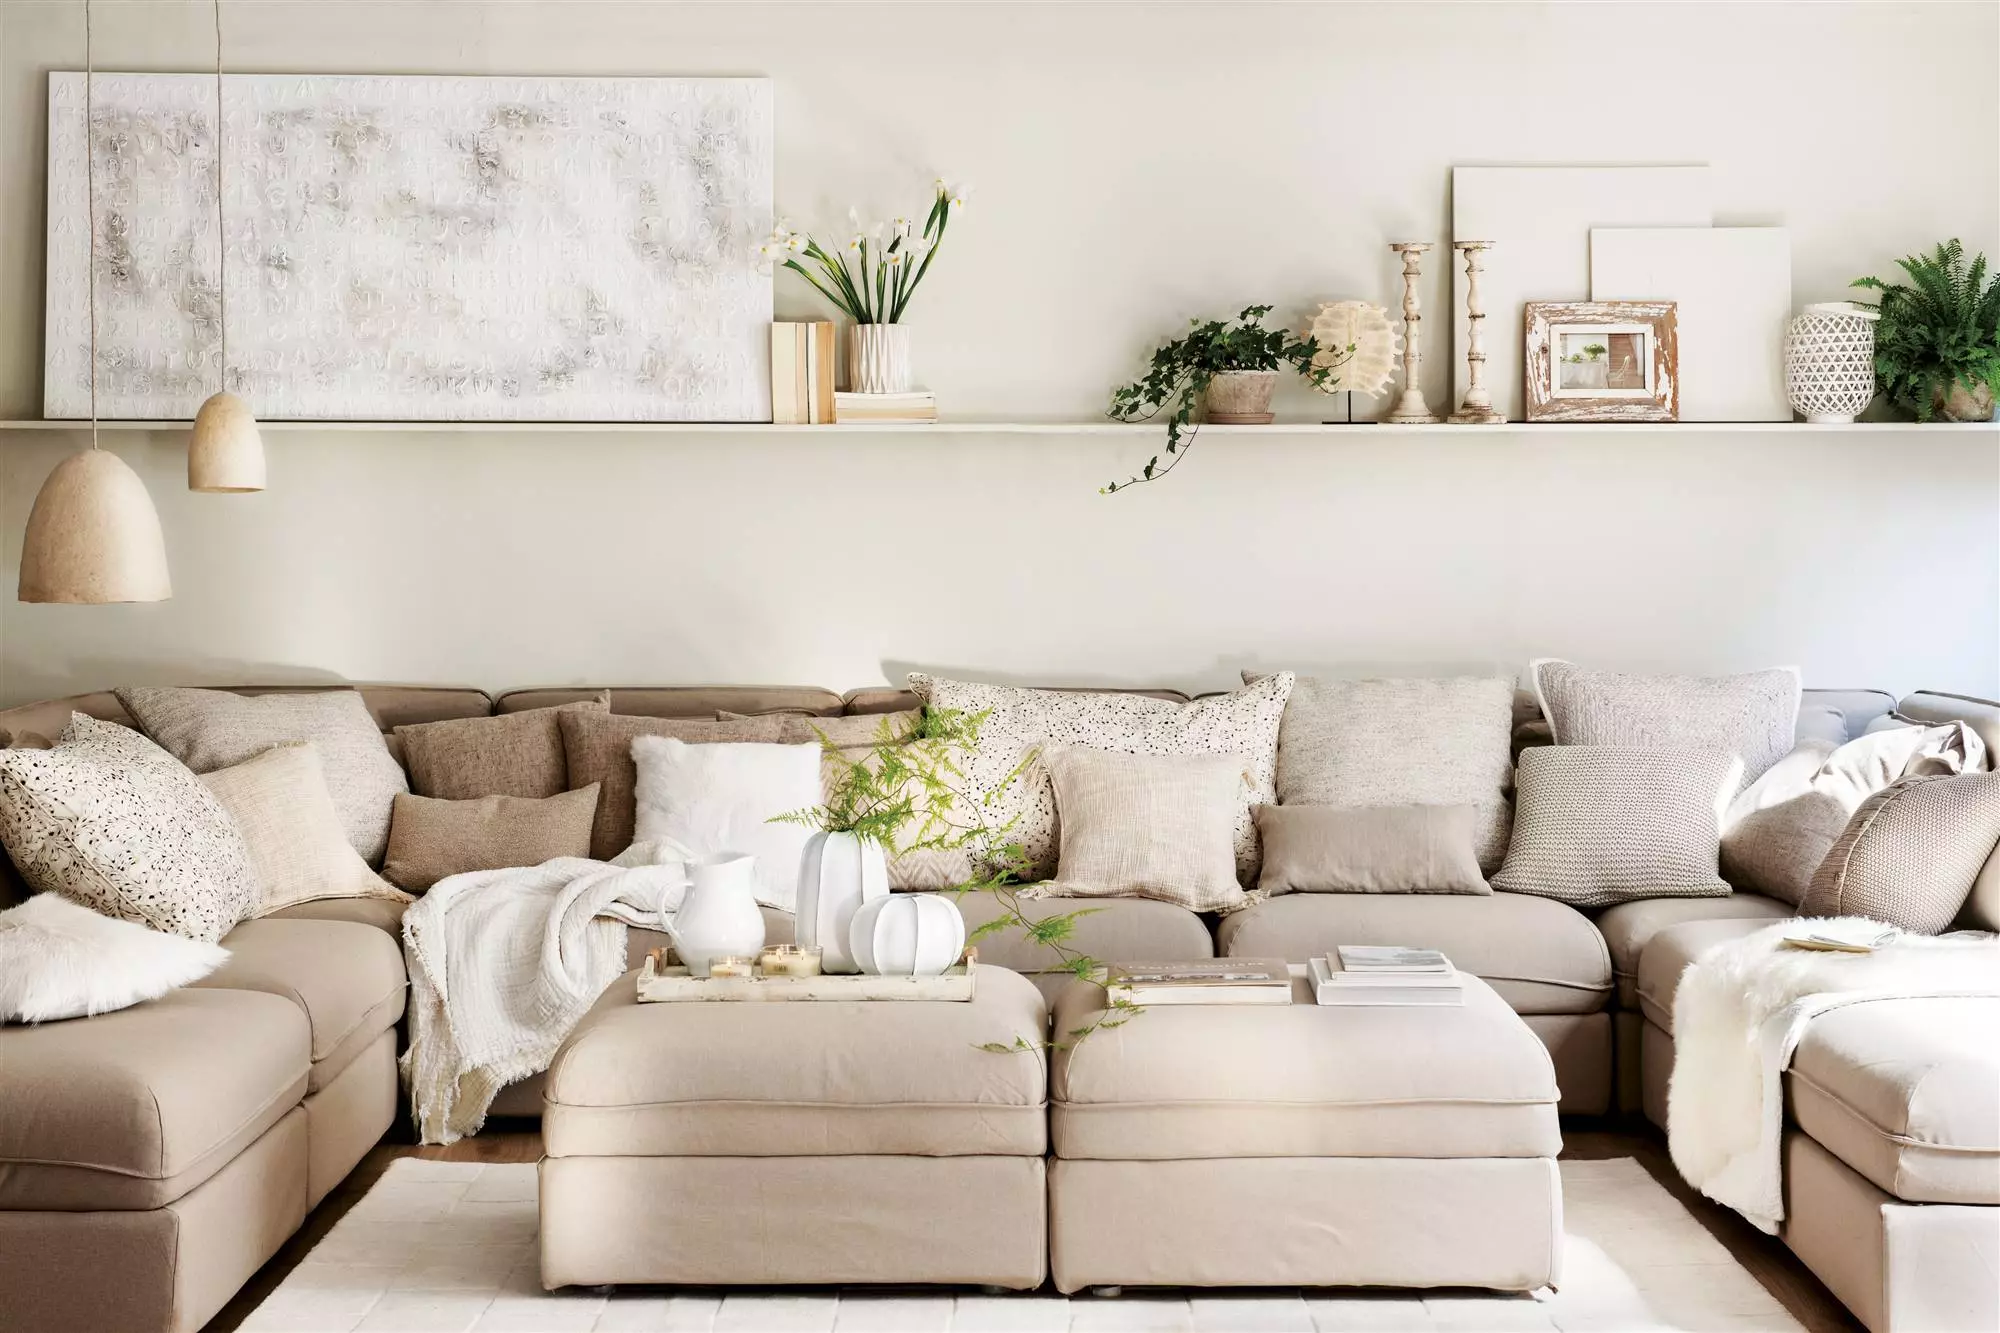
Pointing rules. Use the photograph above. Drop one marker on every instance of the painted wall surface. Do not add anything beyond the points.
(1134, 165)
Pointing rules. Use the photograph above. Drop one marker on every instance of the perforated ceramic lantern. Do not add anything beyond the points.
(907, 935)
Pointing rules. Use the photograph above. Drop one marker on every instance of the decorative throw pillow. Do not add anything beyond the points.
(1378, 849)
(111, 820)
(1355, 743)
(1752, 716)
(597, 747)
(58, 960)
(279, 803)
(1911, 853)
(1148, 826)
(431, 839)
(513, 754)
(1602, 824)
(1020, 721)
(211, 729)
(721, 798)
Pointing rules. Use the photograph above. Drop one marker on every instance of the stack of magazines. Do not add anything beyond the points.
(1213, 981)
(1367, 974)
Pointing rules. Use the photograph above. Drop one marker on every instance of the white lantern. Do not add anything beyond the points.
(907, 935)
(837, 874)
(1830, 362)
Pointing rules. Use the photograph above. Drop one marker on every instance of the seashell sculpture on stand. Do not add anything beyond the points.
(1365, 328)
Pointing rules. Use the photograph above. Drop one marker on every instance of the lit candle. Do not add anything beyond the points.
(731, 966)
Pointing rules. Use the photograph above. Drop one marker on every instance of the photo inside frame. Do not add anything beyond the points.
(1603, 361)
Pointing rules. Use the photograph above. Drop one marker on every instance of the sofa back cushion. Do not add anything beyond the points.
(687, 701)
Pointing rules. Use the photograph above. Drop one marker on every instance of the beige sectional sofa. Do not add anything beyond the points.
(178, 1143)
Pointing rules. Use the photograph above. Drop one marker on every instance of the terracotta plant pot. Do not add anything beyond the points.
(1241, 397)
(1961, 404)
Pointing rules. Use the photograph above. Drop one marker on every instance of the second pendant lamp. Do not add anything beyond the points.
(225, 449)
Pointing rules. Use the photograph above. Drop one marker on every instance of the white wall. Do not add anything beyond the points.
(1135, 164)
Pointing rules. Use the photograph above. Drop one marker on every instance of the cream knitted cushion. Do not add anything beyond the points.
(1911, 852)
(1752, 716)
(1149, 826)
(1598, 824)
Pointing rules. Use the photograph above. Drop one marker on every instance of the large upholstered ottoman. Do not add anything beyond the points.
(801, 1143)
(1250, 1145)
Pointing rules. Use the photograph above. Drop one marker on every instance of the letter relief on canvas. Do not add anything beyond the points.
(416, 248)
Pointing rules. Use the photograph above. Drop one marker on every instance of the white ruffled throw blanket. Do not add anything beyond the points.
(503, 964)
(1741, 1011)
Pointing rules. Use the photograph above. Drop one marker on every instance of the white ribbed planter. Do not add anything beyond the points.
(837, 873)
(878, 358)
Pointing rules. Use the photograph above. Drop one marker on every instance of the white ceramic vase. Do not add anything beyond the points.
(718, 916)
(1829, 364)
(837, 874)
(878, 358)
(907, 935)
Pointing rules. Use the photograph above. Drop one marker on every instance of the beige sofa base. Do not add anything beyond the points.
(165, 1268)
(791, 1221)
(349, 1116)
(1900, 1267)
(1306, 1221)
(1580, 1046)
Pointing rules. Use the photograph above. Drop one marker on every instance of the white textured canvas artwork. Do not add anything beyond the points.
(415, 248)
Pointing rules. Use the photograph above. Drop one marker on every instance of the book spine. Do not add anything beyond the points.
(786, 406)
(822, 389)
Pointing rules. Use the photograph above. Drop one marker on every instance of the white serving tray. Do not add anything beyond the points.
(674, 984)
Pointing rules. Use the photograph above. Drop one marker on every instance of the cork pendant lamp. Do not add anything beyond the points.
(225, 450)
(93, 535)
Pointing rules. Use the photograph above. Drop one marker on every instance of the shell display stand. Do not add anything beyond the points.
(660, 983)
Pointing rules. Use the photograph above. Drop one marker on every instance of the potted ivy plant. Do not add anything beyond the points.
(1230, 365)
(1937, 344)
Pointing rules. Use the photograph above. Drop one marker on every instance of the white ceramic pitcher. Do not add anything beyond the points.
(718, 916)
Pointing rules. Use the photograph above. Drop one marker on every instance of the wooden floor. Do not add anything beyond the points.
(1764, 1257)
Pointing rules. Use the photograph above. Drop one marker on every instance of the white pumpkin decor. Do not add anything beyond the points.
(907, 935)
(1375, 341)
(837, 874)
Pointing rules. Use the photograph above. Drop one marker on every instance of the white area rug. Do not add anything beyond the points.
(447, 1247)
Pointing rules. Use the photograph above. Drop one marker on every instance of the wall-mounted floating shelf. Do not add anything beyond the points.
(1369, 429)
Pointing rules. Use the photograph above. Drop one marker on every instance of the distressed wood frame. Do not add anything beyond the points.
(1544, 321)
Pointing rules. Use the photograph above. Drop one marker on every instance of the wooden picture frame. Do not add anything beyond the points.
(1602, 361)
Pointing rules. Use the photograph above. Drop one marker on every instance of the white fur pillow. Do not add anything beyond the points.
(58, 960)
(720, 797)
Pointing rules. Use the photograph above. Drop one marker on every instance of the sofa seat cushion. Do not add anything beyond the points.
(1207, 1081)
(380, 913)
(1112, 930)
(1542, 956)
(1629, 926)
(347, 978)
(1669, 952)
(134, 1109)
(840, 1078)
(1907, 1092)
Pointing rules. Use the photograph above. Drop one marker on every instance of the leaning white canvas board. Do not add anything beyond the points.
(415, 247)
(1539, 220)
(1732, 288)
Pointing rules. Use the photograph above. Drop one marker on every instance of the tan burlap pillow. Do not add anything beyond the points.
(431, 839)
(1380, 849)
(514, 754)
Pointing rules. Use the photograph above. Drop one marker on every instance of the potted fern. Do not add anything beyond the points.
(1937, 344)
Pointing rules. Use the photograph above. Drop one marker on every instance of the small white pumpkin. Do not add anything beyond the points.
(907, 935)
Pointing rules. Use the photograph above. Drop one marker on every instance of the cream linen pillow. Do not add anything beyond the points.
(1149, 826)
(112, 821)
(1374, 849)
(721, 798)
(58, 960)
(431, 839)
(1020, 721)
(279, 803)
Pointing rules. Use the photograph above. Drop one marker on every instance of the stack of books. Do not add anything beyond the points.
(885, 409)
(1215, 981)
(1855, 936)
(802, 366)
(1364, 974)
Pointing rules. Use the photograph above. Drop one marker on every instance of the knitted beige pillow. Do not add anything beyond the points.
(1149, 826)
(298, 849)
(1911, 853)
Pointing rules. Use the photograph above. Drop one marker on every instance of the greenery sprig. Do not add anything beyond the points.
(1941, 328)
(872, 278)
(1181, 370)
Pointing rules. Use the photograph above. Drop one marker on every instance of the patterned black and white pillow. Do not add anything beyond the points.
(110, 820)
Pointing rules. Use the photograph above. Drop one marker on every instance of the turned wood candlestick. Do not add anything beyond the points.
(1477, 407)
(1411, 409)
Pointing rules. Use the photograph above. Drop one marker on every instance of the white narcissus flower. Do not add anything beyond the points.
(900, 228)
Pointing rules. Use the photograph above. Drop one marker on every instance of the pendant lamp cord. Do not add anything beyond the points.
(221, 239)
(90, 211)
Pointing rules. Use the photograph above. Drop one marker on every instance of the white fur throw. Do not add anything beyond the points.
(1740, 1012)
(59, 960)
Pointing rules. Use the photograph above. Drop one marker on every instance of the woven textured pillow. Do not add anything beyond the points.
(211, 729)
(513, 754)
(597, 747)
(1148, 826)
(1021, 721)
(110, 820)
(1752, 716)
(432, 839)
(279, 803)
(1596, 825)
(1911, 853)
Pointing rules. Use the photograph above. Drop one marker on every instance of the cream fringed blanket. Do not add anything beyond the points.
(503, 963)
(1740, 1012)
